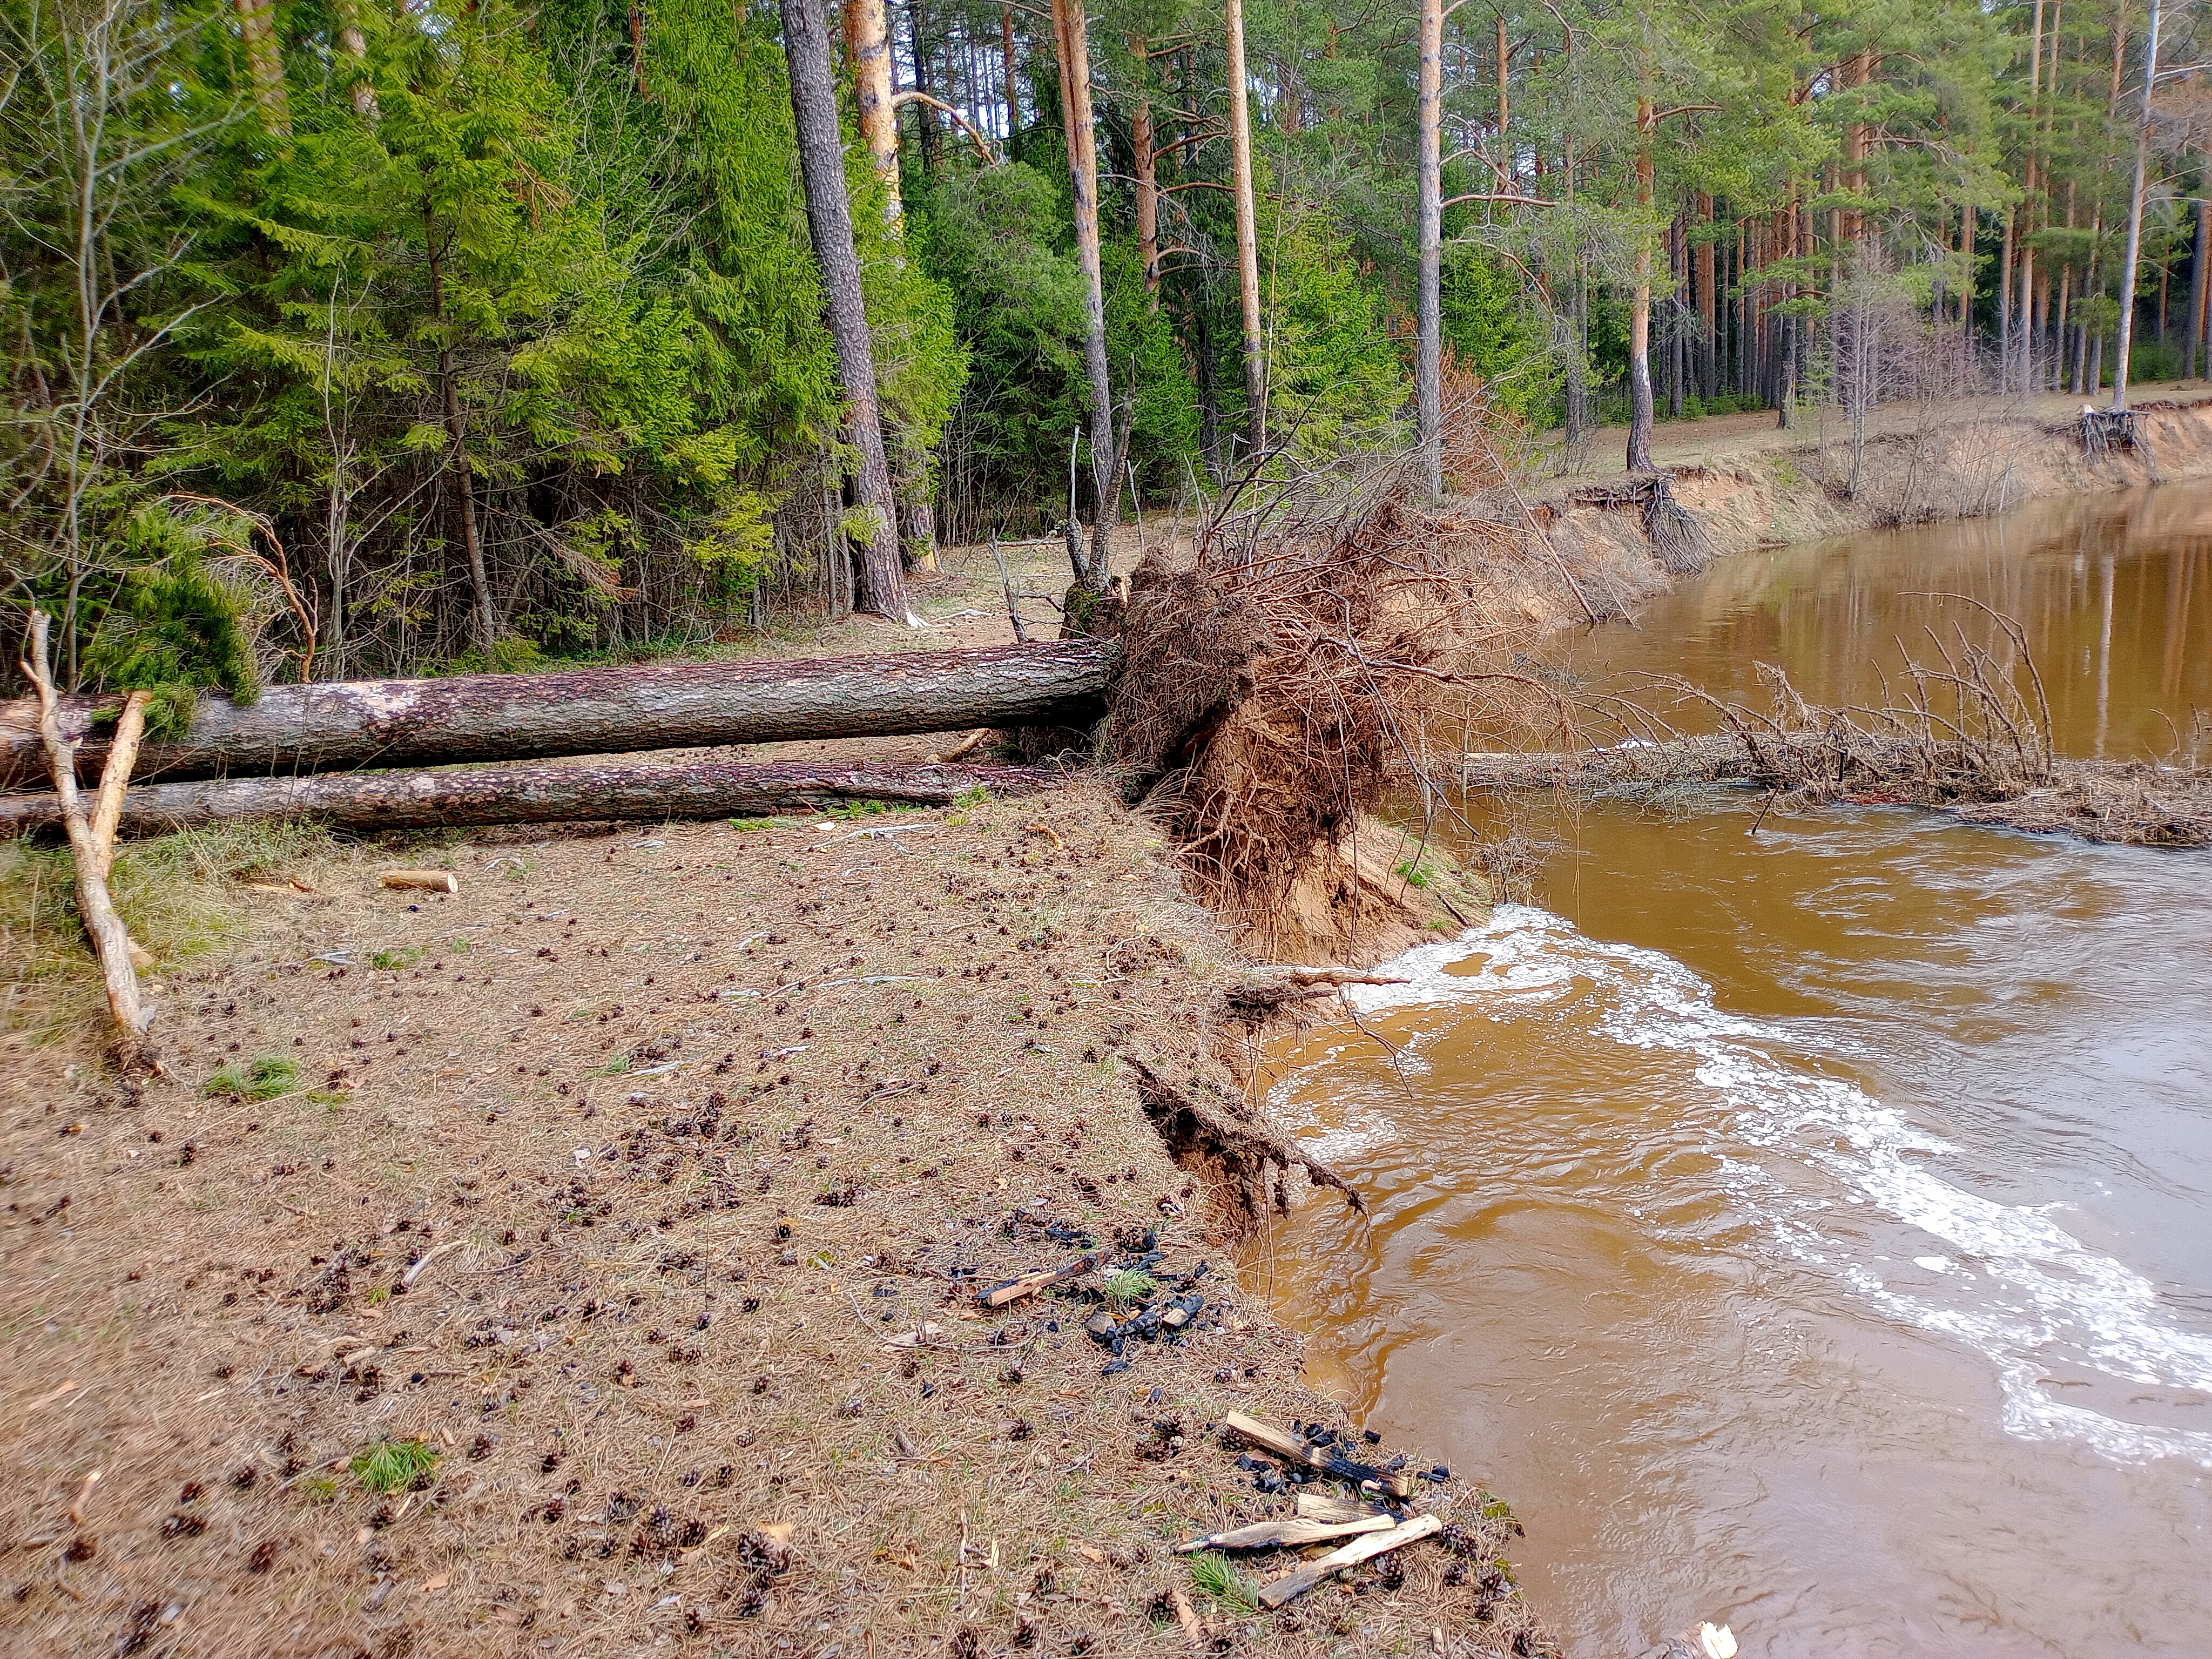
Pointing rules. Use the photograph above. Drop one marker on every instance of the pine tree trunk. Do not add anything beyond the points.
(1247, 229)
(2193, 337)
(882, 588)
(1639, 304)
(2134, 246)
(1428, 368)
(650, 791)
(868, 50)
(459, 474)
(355, 45)
(1073, 30)
(1147, 176)
(339, 725)
(1008, 65)
(265, 62)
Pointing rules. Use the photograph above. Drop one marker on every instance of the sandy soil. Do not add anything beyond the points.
(1720, 439)
(623, 1214)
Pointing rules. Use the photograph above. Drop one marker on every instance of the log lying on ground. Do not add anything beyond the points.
(2134, 803)
(649, 790)
(294, 729)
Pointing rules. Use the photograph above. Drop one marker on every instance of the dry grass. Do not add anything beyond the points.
(568, 1273)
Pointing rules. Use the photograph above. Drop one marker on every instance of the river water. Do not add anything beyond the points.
(1811, 1230)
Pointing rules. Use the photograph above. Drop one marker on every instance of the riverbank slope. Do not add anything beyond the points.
(586, 1261)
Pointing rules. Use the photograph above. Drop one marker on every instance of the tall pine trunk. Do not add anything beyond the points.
(868, 50)
(265, 62)
(882, 587)
(2128, 260)
(2193, 335)
(1428, 371)
(1146, 170)
(1640, 303)
(1073, 30)
(459, 475)
(1248, 228)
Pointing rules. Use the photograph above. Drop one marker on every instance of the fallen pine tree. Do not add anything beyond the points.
(339, 725)
(586, 792)
(2132, 802)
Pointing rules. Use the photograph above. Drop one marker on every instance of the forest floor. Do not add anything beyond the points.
(1718, 439)
(586, 1262)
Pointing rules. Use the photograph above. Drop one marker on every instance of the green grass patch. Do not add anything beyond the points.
(1130, 1284)
(265, 1076)
(405, 956)
(1212, 1576)
(386, 1466)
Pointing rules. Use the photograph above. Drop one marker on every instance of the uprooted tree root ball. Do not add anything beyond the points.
(1275, 690)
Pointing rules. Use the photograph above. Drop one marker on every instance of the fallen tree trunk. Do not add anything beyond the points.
(650, 791)
(591, 711)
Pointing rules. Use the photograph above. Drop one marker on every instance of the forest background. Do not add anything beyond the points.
(354, 337)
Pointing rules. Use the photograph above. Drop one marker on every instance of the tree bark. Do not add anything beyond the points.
(1008, 65)
(2135, 218)
(1428, 359)
(591, 711)
(1639, 307)
(868, 50)
(881, 588)
(1142, 164)
(2193, 337)
(654, 792)
(1073, 40)
(265, 62)
(457, 433)
(355, 45)
(1247, 229)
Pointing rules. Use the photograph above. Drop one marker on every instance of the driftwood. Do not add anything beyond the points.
(1281, 1535)
(1292, 1584)
(292, 729)
(1328, 1506)
(649, 790)
(92, 856)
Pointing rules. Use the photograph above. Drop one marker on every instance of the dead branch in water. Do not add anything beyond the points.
(1962, 738)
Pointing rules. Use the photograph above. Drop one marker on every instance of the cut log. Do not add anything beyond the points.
(591, 711)
(651, 790)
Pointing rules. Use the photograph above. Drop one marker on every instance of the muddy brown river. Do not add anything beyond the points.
(1811, 1230)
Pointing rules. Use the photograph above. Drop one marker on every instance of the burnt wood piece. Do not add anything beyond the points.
(586, 711)
(654, 792)
(1292, 1448)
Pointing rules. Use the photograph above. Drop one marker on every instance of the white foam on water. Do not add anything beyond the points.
(2019, 1284)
